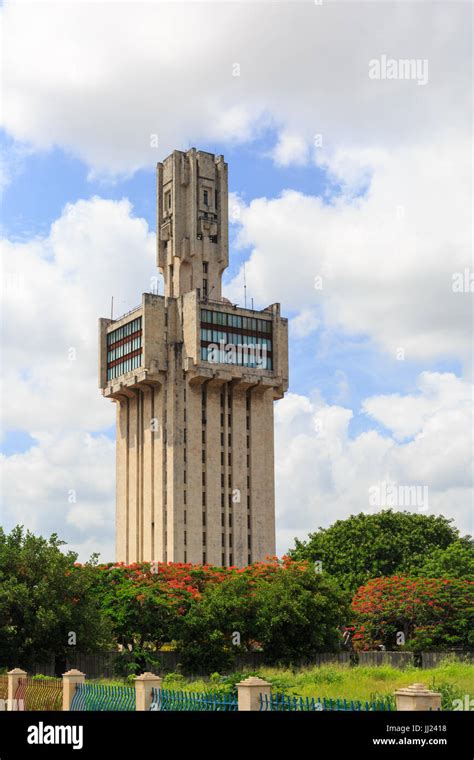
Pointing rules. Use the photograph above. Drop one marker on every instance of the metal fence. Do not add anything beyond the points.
(286, 703)
(39, 694)
(3, 687)
(167, 700)
(103, 698)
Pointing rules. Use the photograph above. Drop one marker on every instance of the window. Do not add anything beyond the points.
(206, 197)
(205, 267)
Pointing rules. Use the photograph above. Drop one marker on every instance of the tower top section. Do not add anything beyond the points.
(192, 223)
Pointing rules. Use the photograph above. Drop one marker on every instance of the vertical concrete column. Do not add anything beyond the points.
(194, 446)
(262, 474)
(214, 470)
(70, 681)
(417, 697)
(121, 481)
(249, 692)
(13, 678)
(143, 686)
(239, 475)
(147, 474)
(158, 485)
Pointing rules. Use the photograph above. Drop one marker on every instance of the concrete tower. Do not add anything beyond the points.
(194, 378)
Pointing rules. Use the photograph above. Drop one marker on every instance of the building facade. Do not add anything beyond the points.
(194, 378)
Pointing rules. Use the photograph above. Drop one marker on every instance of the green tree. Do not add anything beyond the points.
(46, 602)
(431, 613)
(299, 612)
(456, 561)
(218, 625)
(369, 546)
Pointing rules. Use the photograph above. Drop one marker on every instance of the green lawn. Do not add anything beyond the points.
(452, 679)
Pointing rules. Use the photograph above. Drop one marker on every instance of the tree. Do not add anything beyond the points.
(377, 545)
(46, 604)
(456, 561)
(299, 613)
(286, 609)
(218, 625)
(431, 613)
(143, 608)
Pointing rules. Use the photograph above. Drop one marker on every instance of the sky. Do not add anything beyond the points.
(347, 128)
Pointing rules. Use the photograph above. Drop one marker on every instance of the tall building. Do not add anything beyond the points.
(194, 378)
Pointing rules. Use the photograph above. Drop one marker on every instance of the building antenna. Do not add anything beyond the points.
(252, 304)
(112, 308)
(245, 289)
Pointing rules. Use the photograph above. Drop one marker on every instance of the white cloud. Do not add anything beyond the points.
(99, 79)
(64, 484)
(380, 264)
(304, 323)
(290, 149)
(54, 290)
(324, 475)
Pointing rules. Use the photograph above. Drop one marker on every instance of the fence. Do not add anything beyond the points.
(286, 703)
(103, 698)
(38, 694)
(4, 687)
(166, 700)
(253, 693)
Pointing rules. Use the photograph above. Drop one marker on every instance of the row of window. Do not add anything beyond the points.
(255, 359)
(124, 349)
(234, 320)
(124, 331)
(216, 336)
(122, 367)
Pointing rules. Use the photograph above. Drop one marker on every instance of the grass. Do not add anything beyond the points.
(452, 679)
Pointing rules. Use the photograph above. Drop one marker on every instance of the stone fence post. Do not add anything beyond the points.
(70, 680)
(249, 692)
(13, 678)
(417, 697)
(143, 686)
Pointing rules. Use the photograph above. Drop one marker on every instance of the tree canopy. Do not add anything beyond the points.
(376, 545)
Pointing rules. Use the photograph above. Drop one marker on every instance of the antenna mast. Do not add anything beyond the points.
(245, 288)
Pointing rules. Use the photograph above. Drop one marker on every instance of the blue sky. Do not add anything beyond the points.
(46, 181)
(365, 206)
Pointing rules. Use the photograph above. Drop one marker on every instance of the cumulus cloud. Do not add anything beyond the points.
(53, 291)
(100, 79)
(379, 264)
(304, 323)
(64, 484)
(323, 474)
